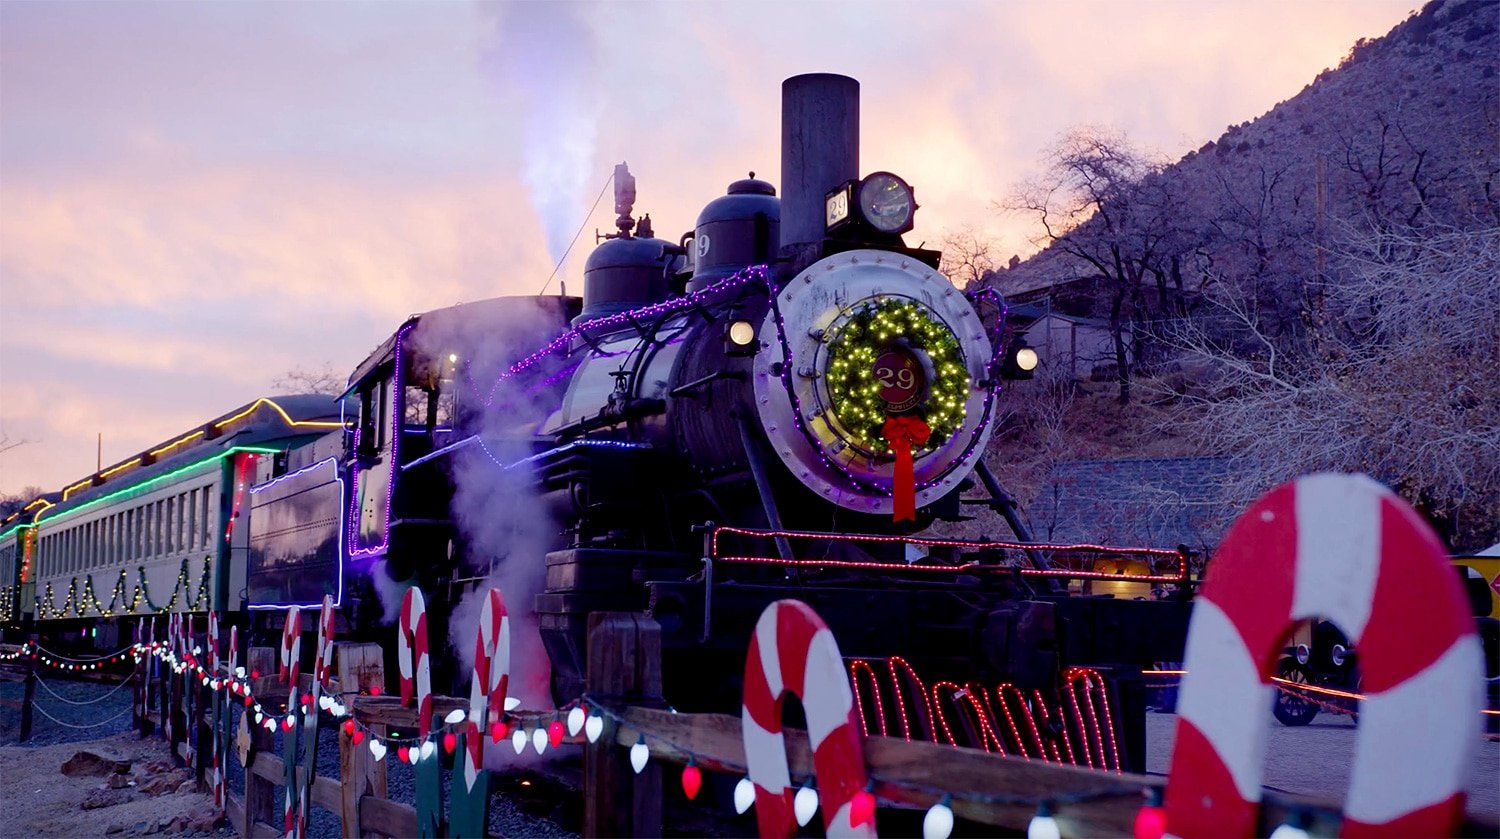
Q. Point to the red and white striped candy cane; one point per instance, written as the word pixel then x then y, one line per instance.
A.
pixel 323 658
pixel 291 663
pixel 1343 548
pixel 416 667
pixel 491 679
pixel 291 648
pixel 215 773
pixel 793 651
pixel 321 666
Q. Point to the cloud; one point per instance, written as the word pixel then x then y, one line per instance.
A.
pixel 195 197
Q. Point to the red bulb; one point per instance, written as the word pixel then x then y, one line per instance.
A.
pixel 404 753
pixel 450 742
pixel 862 808
pixel 358 737
pixel 349 726
pixel 555 733
pixel 692 781
pixel 498 731
pixel 374 690
pixel 288 722
pixel 1150 823
pixel 306 699
pixel 255 674
pixel 248 700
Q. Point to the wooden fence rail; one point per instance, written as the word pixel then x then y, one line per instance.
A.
pixel 624 682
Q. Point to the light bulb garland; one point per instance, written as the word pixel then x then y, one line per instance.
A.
pixel 547 726
pixel 855 391
pixel 78 603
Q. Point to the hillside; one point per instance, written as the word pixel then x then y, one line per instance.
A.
pixel 1407 121
pixel 1312 290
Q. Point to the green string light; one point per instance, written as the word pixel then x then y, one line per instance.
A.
pixel 854 391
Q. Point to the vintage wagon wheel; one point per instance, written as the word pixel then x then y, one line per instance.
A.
pixel 1292 707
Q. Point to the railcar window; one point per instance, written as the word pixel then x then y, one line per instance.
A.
pixel 207 521
pixel 161 528
pixel 192 520
pixel 169 525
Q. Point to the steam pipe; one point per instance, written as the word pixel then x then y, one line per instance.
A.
pixel 753 453
pixel 1002 503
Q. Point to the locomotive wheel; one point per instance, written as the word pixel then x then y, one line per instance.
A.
pixel 1291 708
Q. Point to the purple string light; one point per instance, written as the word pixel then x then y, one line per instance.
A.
pixel 352 538
pixel 676 304
pixel 338 595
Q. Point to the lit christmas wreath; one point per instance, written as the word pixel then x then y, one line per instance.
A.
pixel 892 358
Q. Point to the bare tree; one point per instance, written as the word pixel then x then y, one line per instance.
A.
pixel 968 256
pixel 324 380
pixel 1400 385
pixel 1104 204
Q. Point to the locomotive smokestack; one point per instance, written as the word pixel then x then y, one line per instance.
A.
pixel 819 151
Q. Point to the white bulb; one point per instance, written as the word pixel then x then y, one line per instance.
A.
pixel 518 740
pixel 377 749
pixel 270 725
pixel 938 823
pixel 512 703
pixel 412 755
pixel 239 671
pixel 324 702
pixel 539 739
pixel 575 721
pixel 454 717
pixel 639 754
pixel 429 749
pixel 744 795
pixel 804 805
pixel 1043 827
pixel 1288 831
pixel 593 727
pixel 259 717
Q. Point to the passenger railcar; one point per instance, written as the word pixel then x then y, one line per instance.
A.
pixel 154 533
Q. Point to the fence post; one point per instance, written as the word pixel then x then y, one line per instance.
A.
pixel 260 794
pixel 360 667
pixel 624 667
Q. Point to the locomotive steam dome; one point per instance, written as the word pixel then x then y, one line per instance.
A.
pixel 870 335
pixel 623 273
pixel 734 230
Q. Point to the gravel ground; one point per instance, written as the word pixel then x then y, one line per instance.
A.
pixel 45 732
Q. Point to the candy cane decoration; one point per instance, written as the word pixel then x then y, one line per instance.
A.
pixel 416 684
pixel 1344 548
pixel 490 683
pixel 309 734
pixel 216 774
pixel 793 651
pixel 291 663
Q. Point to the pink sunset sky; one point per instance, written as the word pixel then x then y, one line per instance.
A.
pixel 196 198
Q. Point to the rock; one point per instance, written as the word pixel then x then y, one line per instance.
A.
pixel 105 798
pixel 188 786
pixel 94 763
pixel 119 782
pixel 113 829
pixel 139 828
pixel 165 783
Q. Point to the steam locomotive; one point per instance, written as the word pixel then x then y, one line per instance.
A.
pixel 778 404
pixel 772 406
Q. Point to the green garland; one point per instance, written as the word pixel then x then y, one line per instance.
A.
pixel 851 380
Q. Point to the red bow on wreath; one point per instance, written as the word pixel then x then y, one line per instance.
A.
pixel 901 434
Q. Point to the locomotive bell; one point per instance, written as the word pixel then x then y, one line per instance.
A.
pixel 735 230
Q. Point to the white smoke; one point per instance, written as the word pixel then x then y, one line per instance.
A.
pixel 546 54
pixel 506 528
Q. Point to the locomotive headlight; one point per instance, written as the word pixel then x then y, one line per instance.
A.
pixel 886 203
pixel 740 338
pixel 1338 654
